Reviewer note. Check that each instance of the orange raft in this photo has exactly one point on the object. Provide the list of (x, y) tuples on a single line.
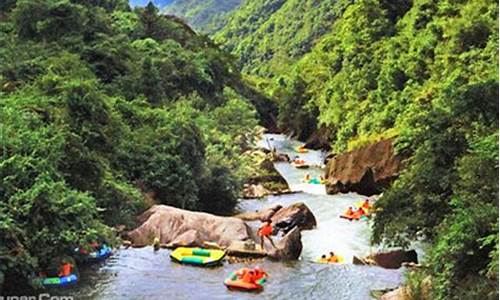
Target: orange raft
[(355, 216), (234, 282)]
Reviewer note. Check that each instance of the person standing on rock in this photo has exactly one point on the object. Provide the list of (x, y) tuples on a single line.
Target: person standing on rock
[(265, 231)]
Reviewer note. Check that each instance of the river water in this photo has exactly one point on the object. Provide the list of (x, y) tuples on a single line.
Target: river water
[(143, 274)]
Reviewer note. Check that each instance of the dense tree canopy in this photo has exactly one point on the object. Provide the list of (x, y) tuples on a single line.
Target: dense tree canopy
[(424, 72), (206, 16), (101, 105)]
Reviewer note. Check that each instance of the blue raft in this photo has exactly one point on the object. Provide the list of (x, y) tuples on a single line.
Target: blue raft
[(100, 254), (56, 281)]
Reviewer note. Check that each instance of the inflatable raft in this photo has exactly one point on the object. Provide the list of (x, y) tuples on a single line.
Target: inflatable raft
[(234, 282), (300, 165), (355, 216), (301, 150), (317, 181), (100, 255), (55, 281), (340, 260), (197, 256)]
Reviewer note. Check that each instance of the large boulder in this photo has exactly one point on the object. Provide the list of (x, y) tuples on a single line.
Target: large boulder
[(284, 218), (319, 139), (289, 247), (389, 260), (394, 259), (179, 227), (261, 215), (252, 191), (367, 170), (295, 215)]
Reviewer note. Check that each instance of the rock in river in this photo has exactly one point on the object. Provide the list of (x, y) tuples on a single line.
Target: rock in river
[(297, 214), (389, 260), (176, 227), (289, 247), (366, 170), (284, 218), (179, 227)]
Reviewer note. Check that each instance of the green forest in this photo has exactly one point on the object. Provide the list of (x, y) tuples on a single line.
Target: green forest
[(206, 16), (106, 110), (100, 105), (423, 72)]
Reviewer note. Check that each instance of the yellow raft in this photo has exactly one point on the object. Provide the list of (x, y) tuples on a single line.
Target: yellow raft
[(301, 149), (197, 256), (340, 260)]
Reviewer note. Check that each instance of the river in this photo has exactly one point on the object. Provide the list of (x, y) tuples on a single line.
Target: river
[(144, 274)]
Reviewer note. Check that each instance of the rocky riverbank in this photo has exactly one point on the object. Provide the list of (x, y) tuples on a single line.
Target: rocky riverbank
[(265, 180), (367, 170)]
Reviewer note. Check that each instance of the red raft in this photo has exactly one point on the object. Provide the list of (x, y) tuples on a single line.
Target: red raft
[(234, 282)]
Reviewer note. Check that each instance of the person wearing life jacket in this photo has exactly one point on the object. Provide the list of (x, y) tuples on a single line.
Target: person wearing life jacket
[(366, 205), (333, 258), (242, 273), (65, 269), (259, 273), (323, 258), (265, 231), (248, 276), (361, 212), (307, 177), (349, 212)]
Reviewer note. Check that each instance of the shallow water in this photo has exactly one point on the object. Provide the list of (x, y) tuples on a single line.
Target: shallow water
[(143, 274)]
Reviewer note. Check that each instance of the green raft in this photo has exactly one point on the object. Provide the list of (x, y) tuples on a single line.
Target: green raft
[(198, 256)]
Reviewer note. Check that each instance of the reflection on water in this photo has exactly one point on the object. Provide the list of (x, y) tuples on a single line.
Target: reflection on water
[(143, 274)]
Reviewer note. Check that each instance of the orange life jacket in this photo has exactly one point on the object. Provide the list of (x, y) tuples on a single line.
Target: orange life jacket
[(259, 274), (349, 212), (65, 270), (333, 259), (248, 277), (266, 230)]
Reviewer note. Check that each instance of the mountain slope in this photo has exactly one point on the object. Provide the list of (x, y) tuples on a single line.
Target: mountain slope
[(267, 35), (204, 15)]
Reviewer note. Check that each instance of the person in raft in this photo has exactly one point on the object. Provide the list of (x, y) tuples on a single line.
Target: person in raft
[(307, 177), (61, 267), (361, 212), (259, 273), (265, 231), (366, 205), (349, 212), (251, 275), (333, 258)]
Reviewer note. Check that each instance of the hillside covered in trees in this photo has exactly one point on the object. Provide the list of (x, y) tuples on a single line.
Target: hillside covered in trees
[(105, 111), (424, 72), (206, 16)]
